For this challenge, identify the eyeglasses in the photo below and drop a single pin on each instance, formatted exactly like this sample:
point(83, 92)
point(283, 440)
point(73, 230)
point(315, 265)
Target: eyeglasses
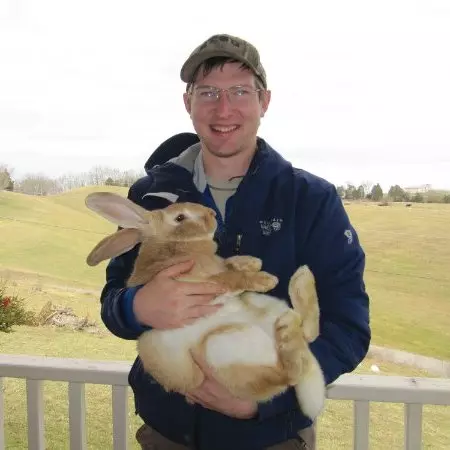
point(236, 94)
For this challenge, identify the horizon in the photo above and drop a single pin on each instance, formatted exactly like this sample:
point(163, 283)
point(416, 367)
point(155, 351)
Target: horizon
point(364, 94)
point(141, 172)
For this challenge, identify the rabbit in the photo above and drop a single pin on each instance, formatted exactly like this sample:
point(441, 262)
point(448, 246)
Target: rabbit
point(256, 344)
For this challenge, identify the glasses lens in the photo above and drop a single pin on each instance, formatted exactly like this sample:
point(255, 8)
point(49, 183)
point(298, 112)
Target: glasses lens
point(236, 94)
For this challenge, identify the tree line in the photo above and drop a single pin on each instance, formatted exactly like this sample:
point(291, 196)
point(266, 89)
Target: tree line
point(374, 192)
point(39, 184)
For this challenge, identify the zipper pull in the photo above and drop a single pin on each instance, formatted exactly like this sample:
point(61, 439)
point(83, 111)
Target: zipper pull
point(237, 247)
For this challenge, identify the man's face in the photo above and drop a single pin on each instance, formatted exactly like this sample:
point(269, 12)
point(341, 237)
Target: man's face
point(226, 125)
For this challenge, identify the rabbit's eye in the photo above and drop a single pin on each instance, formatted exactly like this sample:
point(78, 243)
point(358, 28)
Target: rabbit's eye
point(180, 218)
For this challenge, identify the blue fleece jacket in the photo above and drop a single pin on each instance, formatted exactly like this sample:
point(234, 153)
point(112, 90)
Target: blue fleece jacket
point(287, 217)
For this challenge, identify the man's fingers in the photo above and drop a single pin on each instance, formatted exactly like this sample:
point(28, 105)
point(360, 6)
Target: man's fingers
point(205, 288)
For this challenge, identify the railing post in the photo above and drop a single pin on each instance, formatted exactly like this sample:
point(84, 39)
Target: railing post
point(120, 417)
point(413, 426)
point(35, 415)
point(361, 411)
point(77, 416)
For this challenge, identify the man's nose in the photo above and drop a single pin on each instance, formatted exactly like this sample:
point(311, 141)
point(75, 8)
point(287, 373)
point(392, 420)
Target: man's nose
point(223, 106)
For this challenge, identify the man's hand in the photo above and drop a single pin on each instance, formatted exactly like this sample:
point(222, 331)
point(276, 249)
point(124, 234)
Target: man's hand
point(212, 395)
point(165, 302)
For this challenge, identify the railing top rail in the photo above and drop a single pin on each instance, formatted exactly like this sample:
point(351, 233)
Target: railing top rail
point(376, 388)
point(395, 389)
point(64, 369)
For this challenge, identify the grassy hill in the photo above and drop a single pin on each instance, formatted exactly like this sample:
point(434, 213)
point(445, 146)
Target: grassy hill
point(52, 235)
point(408, 257)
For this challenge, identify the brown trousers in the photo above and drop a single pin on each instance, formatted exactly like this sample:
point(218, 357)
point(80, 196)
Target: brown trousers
point(150, 439)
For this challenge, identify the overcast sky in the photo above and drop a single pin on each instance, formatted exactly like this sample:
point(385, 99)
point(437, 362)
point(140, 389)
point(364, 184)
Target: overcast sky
point(360, 90)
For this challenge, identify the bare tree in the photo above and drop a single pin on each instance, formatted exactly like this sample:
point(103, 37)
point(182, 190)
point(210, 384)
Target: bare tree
point(367, 185)
point(97, 176)
point(38, 184)
point(70, 181)
point(130, 176)
point(6, 181)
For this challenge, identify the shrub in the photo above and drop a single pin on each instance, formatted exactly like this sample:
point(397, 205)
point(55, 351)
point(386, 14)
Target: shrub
point(13, 312)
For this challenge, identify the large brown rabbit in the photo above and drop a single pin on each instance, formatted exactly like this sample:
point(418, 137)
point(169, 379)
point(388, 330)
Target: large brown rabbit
point(256, 344)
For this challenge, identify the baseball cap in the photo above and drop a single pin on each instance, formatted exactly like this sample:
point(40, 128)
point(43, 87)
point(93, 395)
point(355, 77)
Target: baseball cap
point(224, 45)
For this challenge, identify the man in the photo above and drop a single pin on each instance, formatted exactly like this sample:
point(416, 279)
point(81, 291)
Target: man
point(265, 208)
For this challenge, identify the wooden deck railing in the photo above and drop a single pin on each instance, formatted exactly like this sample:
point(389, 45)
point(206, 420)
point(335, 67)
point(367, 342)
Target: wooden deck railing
point(413, 393)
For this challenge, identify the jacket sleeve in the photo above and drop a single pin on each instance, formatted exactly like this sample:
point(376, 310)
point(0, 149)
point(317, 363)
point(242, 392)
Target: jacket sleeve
point(334, 254)
point(338, 263)
point(116, 298)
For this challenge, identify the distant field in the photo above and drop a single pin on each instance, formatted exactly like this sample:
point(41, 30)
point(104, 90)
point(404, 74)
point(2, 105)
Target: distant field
point(408, 278)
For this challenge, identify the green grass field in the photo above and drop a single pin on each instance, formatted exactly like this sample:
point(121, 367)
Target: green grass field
point(45, 241)
point(408, 261)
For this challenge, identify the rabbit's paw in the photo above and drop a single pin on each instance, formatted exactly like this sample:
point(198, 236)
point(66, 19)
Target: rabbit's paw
point(244, 262)
point(262, 282)
point(303, 295)
point(291, 345)
point(288, 331)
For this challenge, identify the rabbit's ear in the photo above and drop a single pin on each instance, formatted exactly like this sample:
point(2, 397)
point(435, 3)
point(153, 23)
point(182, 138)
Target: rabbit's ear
point(115, 244)
point(117, 209)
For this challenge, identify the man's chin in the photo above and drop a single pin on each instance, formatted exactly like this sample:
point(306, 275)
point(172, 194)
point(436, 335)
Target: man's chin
point(221, 147)
point(222, 152)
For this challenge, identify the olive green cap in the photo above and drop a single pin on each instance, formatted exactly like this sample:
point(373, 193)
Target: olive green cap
point(224, 45)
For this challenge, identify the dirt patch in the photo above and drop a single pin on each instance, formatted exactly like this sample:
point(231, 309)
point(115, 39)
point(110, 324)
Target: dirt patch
point(435, 366)
point(63, 316)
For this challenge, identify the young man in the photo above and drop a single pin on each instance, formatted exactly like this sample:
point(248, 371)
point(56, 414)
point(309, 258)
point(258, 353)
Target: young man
point(265, 208)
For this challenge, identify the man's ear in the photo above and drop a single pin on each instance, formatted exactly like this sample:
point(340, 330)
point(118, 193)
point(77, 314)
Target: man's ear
point(265, 101)
point(187, 102)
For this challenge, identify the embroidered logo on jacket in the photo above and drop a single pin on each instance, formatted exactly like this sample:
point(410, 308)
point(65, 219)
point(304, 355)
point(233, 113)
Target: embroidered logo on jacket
point(270, 226)
point(349, 236)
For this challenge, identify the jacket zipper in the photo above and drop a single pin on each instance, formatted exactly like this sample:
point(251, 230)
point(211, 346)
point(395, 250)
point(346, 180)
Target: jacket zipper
point(237, 247)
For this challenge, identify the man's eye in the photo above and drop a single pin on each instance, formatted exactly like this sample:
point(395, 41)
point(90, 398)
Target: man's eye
point(180, 218)
point(241, 92)
point(207, 94)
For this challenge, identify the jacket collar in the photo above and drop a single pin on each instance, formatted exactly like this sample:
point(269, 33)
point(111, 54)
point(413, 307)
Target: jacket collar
point(266, 165)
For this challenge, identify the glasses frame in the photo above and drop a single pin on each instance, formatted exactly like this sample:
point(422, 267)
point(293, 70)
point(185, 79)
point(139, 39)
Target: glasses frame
point(232, 98)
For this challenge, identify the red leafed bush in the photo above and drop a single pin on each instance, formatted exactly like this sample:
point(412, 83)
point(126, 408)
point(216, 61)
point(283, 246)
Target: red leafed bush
point(13, 312)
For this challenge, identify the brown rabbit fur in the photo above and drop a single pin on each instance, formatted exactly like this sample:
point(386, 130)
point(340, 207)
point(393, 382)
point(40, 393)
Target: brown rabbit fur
point(163, 241)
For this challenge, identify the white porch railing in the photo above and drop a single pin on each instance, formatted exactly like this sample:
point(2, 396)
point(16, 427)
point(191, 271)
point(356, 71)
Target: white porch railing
point(362, 389)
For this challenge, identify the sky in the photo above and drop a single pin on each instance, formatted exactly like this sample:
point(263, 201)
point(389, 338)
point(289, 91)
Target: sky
point(360, 90)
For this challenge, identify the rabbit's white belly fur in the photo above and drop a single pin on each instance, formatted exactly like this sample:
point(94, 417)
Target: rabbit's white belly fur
point(251, 345)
